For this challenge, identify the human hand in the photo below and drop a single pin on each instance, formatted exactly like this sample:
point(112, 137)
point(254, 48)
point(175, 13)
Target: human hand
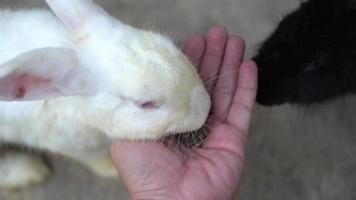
point(152, 170)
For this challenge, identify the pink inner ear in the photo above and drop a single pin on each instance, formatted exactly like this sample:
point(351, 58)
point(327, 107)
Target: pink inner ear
point(20, 92)
point(26, 83)
point(22, 86)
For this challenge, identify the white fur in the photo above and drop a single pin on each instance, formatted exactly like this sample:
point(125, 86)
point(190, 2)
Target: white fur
point(67, 86)
point(18, 169)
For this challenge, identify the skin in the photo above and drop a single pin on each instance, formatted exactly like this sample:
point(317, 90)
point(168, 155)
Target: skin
point(152, 170)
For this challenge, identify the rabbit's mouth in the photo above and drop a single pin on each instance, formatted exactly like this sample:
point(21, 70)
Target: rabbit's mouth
point(189, 139)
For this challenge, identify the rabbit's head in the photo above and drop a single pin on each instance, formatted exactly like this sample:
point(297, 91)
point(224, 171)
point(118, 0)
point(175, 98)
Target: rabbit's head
point(311, 56)
point(134, 84)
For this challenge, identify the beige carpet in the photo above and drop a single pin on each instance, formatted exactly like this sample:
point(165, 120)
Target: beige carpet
point(294, 152)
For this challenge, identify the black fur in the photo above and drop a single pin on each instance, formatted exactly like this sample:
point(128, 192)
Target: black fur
point(311, 57)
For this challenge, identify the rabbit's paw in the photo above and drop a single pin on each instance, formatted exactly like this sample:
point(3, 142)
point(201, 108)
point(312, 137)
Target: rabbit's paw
point(104, 167)
point(21, 170)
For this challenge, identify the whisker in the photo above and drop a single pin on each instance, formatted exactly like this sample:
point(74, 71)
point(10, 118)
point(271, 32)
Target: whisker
point(179, 142)
point(212, 79)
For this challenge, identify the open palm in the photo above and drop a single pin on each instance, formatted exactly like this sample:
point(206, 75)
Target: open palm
point(151, 170)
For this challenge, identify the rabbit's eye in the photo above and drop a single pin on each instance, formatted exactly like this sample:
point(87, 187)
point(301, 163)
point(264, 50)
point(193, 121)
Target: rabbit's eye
point(312, 66)
point(149, 105)
point(315, 65)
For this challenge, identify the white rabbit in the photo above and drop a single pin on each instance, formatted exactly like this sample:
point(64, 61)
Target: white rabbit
point(67, 86)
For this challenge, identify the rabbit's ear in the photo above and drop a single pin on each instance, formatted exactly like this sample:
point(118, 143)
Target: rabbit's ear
point(43, 73)
point(75, 13)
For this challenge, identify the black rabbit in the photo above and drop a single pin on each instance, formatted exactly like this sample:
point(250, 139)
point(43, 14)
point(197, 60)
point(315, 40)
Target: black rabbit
point(311, 57)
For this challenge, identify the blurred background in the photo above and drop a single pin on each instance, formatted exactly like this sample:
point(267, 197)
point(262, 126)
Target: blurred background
point(293, 153)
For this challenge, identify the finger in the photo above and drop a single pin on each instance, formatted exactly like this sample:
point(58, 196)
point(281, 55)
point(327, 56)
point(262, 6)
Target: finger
point(226, 85)
point(194, 48)
point(232, 135)
point(216, 42)
point(241, 108)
